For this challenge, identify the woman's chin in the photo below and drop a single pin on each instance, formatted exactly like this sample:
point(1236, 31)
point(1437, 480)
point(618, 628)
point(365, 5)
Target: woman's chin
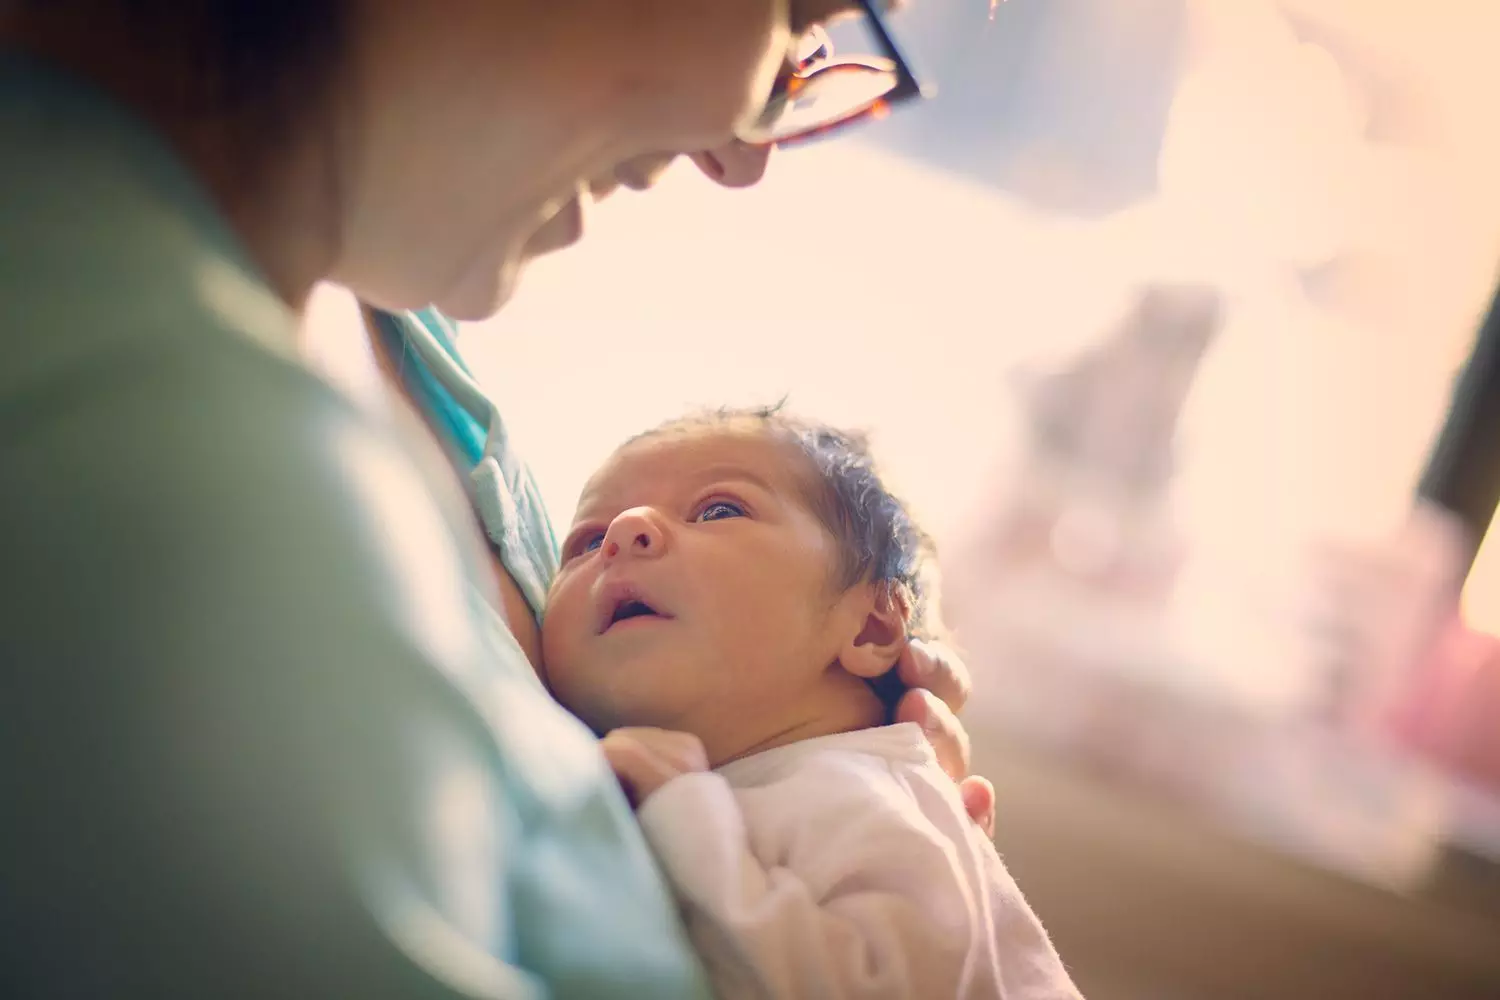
point(482, 296)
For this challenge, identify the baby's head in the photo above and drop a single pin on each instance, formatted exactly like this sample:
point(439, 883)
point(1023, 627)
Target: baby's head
point(741, 575)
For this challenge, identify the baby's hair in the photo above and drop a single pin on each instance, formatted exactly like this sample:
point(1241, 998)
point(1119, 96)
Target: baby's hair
point(878, 540)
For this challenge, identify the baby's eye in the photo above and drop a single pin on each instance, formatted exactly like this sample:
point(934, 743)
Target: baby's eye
point(580, 544)
point(719, 510)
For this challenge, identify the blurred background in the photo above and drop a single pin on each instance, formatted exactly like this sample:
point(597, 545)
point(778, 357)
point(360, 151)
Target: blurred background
point(1155, 313)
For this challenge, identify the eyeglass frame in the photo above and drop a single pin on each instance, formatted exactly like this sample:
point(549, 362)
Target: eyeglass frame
point(906, 88)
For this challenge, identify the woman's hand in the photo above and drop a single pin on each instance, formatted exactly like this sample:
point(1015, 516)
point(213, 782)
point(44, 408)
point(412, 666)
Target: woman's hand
point(644, 759)
point(939, 686)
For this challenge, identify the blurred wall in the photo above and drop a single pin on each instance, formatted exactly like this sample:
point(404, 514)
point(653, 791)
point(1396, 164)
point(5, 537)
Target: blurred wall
point(1060, 103)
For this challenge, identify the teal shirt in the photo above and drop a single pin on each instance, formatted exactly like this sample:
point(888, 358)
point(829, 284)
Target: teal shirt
point(501, 490)
point(261, 733)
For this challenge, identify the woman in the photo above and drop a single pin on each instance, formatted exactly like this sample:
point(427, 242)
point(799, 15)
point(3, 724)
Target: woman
point(265, 734)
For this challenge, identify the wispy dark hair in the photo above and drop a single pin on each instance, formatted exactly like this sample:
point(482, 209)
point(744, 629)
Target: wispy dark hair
point(254, 58)
point(878, 539)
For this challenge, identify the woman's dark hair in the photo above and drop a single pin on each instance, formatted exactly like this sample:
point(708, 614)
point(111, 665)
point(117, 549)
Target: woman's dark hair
point(239, 57)
point(878, 540)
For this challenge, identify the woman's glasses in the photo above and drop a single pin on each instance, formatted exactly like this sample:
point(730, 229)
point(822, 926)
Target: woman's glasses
point(825, 94)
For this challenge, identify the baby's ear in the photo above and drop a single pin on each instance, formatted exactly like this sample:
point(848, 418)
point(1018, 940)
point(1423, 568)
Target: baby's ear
point(880, 636)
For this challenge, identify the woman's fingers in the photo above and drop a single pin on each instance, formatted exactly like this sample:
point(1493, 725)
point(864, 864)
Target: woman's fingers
point(943, 730)
point(950, 742)
point(936, 668)
point(979, 802)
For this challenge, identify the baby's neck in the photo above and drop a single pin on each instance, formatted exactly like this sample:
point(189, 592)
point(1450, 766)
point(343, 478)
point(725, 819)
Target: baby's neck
point(842, 704)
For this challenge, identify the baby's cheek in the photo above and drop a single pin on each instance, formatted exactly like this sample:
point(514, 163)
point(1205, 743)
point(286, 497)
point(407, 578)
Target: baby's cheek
point(559, 674)
point(559, 633)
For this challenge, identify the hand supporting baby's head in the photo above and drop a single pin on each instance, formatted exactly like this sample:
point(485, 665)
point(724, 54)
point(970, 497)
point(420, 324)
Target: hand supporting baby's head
point(740, 575)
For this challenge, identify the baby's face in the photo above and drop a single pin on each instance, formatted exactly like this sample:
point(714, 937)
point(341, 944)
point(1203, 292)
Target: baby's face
point(695, 581)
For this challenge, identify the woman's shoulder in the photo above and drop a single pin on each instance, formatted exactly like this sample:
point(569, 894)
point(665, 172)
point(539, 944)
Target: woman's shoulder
point(113, 251)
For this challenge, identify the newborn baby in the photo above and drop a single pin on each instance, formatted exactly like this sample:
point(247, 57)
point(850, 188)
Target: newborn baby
point(732, 585)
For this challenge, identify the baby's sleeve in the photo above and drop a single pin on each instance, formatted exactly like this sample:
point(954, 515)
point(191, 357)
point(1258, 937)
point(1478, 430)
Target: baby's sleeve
point(835, 882)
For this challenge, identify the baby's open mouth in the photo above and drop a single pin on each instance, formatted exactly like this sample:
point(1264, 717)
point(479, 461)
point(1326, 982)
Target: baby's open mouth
point(631, 609)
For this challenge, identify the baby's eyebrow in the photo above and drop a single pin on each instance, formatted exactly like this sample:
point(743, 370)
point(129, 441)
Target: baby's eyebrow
point(583, 516)
point(589, 500)
point(738, 473)
point(576, 532)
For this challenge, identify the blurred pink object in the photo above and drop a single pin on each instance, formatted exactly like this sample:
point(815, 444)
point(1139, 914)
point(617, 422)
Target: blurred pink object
point(1400, 662)
point(1379, 612)
point(1451, 713)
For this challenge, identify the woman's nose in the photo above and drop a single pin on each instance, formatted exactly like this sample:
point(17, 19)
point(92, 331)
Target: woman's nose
point(735, 164)
point(642, 173)
point(636, 533)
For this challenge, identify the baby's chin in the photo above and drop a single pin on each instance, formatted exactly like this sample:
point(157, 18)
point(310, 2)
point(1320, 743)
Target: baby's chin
point(603, 714)
point(626, 699)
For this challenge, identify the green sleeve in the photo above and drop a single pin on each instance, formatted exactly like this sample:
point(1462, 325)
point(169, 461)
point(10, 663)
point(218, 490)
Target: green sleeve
point(246, 753)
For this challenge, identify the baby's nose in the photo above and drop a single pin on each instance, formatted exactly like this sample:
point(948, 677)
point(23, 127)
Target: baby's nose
point(636, 532)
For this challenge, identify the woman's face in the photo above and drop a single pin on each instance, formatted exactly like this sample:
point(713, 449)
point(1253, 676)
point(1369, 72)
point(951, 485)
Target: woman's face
point(497, 123)
point(477, 128)
point(734, 164)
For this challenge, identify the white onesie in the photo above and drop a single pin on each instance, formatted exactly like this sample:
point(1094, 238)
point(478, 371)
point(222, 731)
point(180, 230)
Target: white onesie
point(843, 867)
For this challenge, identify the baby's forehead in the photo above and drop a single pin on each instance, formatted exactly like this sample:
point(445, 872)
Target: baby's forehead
point(681, 457)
